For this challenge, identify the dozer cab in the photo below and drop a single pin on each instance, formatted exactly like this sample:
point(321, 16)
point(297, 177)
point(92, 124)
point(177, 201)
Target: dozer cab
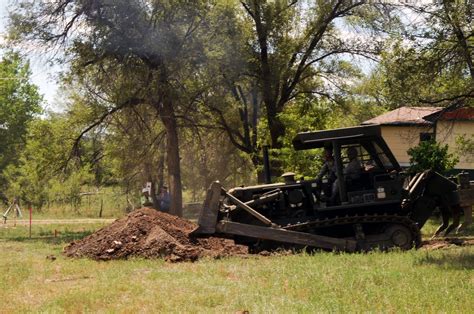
point(380, 208)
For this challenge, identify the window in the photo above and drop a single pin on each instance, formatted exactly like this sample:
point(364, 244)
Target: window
point(385, 163)
point(362, 154)
point(424, 137)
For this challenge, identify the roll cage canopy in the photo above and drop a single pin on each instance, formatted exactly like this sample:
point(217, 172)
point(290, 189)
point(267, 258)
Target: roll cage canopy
point(368, 138)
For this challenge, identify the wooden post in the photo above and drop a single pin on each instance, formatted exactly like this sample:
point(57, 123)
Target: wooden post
point(467, 201)
point(101, 207)
point(31, 216)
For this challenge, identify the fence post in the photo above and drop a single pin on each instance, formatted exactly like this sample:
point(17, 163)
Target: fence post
point(101, 207)
point(31, 216)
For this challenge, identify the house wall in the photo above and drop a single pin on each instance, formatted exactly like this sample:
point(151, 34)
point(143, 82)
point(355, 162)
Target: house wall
point(448, 131)
point(401, 138)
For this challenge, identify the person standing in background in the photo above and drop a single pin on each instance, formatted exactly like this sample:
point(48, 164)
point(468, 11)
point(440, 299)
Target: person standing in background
point(164, 199)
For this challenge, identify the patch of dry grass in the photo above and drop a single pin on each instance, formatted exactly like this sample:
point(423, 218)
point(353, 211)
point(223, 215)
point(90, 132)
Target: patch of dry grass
point(414, 281)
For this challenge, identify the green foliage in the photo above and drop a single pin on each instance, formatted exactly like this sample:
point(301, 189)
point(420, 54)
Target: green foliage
point(307, 113)
point(209, 156)
point(295, 49)
point(431, 155)
point(19, 103)
point(67, 191)
point(407, 76)
point(429, 60)
point(465, 145)
point(237, 74)
point(46, 171)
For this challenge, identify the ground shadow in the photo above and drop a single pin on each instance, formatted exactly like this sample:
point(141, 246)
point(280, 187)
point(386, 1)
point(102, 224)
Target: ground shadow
point(462, 261)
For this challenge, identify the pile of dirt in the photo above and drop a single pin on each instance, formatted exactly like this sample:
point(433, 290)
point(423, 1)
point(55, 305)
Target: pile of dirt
point(149, 233)
point(436, 244)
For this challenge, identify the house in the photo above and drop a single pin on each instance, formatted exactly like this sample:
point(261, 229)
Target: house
point(405, 127)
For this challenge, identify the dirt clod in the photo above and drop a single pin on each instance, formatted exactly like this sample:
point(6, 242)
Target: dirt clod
point(148, 233)
point(51, 257)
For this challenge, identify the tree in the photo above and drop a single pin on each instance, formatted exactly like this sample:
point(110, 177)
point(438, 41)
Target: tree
point(19, 103)
point(37, 176)
point(208, 156)
point(269, 53)
point(431, 155)
point(135, 144)
point(125, 53)
point(291, 45)
point(430, 58)
point(465, 147)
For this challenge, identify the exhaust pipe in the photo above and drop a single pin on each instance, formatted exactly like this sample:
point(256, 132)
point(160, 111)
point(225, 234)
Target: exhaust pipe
point(266, 165)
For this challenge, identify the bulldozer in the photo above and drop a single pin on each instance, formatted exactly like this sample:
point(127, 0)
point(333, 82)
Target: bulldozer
point(382, 208)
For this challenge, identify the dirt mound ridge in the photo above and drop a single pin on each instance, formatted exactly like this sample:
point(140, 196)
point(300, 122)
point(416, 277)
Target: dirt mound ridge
point(148, 233)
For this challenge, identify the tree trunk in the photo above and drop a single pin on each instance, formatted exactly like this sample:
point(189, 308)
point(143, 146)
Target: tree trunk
point(257, 162)
point(277, 132)
point(172, 157)
point(277, 129)
point(161, 166)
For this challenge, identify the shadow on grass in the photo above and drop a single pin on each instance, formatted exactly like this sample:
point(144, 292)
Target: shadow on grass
point(63, 237)
point(462, 261)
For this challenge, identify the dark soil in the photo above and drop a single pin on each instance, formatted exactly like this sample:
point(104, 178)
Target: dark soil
point(151, 234)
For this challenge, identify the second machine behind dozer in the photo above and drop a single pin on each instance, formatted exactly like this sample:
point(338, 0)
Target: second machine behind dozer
point(378, 209)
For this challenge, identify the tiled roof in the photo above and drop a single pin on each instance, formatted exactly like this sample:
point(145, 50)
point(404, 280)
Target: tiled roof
point(465, 113)
point(405, 116)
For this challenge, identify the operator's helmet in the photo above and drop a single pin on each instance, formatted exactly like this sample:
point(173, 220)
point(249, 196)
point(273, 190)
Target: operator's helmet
point(327, 153)
point(289, 177)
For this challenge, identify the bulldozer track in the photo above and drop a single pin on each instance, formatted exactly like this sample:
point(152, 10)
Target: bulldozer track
point(361, 219)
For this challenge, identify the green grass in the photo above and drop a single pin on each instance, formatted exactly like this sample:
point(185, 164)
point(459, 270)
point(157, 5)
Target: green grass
point(414, 281)
point(432, 224)
point(50, 233)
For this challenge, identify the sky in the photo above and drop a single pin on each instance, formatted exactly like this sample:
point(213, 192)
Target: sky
point(42, 73)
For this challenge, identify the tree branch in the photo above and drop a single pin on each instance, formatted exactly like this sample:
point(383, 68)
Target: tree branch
point(100, 120)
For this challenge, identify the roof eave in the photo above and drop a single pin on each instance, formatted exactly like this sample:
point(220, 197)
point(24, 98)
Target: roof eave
point(426, 123)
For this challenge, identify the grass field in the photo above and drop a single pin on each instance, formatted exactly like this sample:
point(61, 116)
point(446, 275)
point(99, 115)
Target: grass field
point(112, 201)
point(414, 281)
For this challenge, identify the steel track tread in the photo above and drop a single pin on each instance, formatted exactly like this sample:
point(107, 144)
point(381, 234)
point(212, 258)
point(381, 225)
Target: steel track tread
point(356, 219)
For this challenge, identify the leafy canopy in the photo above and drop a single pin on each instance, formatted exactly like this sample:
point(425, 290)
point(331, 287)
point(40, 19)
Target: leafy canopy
point(431, 155)
point(19, 103)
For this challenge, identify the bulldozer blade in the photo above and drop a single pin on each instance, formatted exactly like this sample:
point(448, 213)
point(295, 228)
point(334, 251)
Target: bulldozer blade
point(208, 216)
point(286, 236)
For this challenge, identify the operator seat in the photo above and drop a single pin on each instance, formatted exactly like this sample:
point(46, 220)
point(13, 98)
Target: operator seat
point(364, 182)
